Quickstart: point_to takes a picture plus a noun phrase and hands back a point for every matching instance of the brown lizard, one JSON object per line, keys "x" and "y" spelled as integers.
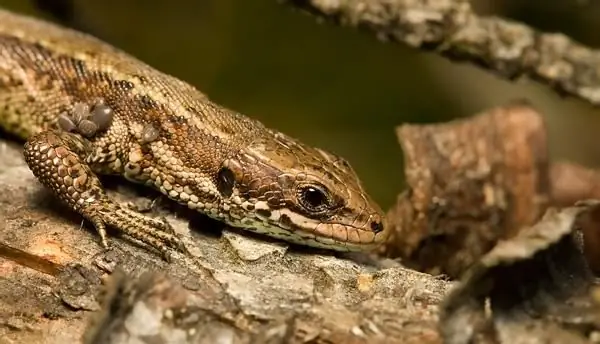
{"x": 86, "y": 108}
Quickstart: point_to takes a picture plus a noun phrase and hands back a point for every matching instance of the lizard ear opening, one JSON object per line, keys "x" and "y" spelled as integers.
{"x": 227, "y": 176}
{"x": 225, "y": 181}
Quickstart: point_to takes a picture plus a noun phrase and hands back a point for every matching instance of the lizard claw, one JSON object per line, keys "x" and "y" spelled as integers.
{"x": 157, "y": 233}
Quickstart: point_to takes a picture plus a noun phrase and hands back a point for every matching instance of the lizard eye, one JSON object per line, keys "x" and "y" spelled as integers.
{"x": 313, "y": 198}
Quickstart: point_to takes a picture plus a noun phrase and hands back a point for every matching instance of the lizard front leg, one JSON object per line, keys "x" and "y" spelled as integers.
{"x": 57, "y": 159}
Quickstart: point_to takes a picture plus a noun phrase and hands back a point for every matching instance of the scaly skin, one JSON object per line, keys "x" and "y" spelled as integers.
{"x": 159, "y": 131}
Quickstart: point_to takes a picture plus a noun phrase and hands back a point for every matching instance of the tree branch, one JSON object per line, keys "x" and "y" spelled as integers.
{"x": 451, "y": 29}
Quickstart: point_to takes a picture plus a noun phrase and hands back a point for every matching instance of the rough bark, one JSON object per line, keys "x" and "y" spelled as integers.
{"x": 58, "y": 286}
{"x": 235, "y": 287}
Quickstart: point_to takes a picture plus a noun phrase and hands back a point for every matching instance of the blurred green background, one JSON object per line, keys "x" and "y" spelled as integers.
{"x": 334, "y": 87}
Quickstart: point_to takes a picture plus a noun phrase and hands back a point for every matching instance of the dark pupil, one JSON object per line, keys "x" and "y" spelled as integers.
{"x": 314, "y": 197}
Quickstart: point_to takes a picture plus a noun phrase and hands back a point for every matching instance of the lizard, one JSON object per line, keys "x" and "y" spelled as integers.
{"x": 85, "y": 108}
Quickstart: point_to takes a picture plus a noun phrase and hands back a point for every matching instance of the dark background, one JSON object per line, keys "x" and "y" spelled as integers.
{"x": 334, "y": 87}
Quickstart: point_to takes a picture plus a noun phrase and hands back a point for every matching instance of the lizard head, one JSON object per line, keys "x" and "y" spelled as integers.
{"x": 300, "y": 194}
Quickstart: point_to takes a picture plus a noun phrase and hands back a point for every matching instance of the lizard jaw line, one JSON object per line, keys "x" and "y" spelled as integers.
{"x": 302, "y": 231}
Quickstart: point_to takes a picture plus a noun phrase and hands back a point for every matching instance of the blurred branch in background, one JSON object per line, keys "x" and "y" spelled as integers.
{"x": 453, "y": 30}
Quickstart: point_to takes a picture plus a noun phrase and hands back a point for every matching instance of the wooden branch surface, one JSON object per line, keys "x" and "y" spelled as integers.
{"x": 53, "y": 272}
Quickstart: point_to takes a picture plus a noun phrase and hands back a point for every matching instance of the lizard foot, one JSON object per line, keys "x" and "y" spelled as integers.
{"x": 156, "y": 233}
{"x": 56, "y": 159}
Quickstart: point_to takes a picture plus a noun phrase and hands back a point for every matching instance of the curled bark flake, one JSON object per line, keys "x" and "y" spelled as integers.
{"x": 572, "y": 183}
{"x": 470, "y": 183}
{"x": 532, "y": 288}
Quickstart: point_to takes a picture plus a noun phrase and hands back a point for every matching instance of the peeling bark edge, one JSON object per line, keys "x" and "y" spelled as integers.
{"x": 531, "y": 282}
{"x": 451, "y": 29}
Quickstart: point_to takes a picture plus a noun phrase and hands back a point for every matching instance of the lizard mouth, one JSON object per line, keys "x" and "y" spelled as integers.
{"x": 292, "y": 227}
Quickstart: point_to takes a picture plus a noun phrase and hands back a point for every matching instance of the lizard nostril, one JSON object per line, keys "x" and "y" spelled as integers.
{"x": 376, "y": 226}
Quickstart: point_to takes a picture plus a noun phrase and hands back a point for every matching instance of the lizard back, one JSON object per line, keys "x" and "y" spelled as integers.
{"x": 45, "y": 69}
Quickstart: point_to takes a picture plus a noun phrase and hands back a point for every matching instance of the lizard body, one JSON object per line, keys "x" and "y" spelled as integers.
{"x": 157, "y": 130}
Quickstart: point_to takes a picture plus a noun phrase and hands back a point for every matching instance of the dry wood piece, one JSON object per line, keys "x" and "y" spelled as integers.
{"x": 470, "y": 183}
{"x": 572, "y": 182}
{"x": 590, "y": 227}
{"x": 149, "y": 309}
{"x": 451, "y": 29}
{"x": 532, "y": 288}
{"x": 156, "y": 309}
{"x": 233, "y": 286}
